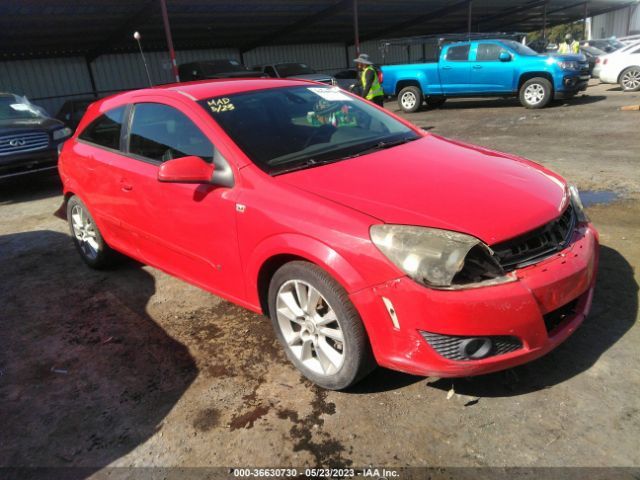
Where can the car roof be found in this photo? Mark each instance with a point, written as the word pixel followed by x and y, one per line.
pixel 203 89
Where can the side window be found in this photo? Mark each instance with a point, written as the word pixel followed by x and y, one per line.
pixel 160 132
pixel 270 71
pixel 105 130
pixel 489 52
pixel 458 54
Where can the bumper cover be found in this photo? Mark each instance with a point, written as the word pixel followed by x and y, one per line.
pixel 516 309
pixel 26 163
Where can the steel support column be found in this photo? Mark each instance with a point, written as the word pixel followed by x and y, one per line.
pixel 356 28
pixel 544 21
pixel 469 11
pixel 167 32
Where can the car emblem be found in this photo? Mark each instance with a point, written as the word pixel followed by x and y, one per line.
pixel 17 142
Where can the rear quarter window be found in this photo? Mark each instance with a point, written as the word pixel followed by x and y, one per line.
pixel 459 53
pixel 105 130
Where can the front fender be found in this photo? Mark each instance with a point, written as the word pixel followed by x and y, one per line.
pixel 305 247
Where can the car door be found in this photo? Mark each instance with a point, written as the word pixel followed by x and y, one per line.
pixel 490 74
pixel 454 69
pixel 188 230
pixel 99 146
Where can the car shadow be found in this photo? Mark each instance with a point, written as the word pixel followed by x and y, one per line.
pixel 26 188
pixel 614 311
pixel 86 375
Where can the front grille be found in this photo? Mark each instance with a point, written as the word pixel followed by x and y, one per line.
pixel 554 319
pixel 23 142
pixel 537 244
pixel 449 346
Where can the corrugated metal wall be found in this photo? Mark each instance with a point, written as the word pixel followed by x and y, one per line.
pixel 618 23
pixel 324 57
pixel 125 71
pixel 382 54
pixel 51 77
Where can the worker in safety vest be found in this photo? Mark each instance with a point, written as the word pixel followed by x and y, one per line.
pixel 569 45
pixel 371 88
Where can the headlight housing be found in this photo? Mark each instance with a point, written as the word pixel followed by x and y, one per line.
pixel 62 133
pixel 581 215
pixel 437 258
pixel 569 65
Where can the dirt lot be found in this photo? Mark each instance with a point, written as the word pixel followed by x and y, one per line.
pixel 132 367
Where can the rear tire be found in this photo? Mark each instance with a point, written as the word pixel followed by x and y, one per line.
pixel 630 79
pixel 436 102
pixel 536 93
pixel 410 99
pixel 318 326
pixel 86 237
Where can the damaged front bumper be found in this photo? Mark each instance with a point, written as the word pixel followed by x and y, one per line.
pixel 422 331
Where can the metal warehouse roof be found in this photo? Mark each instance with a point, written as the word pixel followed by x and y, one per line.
pixel 96 27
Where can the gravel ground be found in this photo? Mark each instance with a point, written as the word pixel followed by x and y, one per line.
pixel 132 367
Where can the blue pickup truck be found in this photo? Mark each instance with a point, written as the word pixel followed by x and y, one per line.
pixel 487 68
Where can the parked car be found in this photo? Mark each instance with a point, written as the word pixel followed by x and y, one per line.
pixel 347 78
pixel 607 45
pixel 591 54
pixel 72 111
pixel 29 139
pixel 623 67
pixel 365 239
pixel 487 67
pixel 296 70
pixel 212 69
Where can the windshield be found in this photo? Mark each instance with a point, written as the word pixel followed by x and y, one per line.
pixel 519 48
pixel 285 129
pixel 13 107
pixel 291 69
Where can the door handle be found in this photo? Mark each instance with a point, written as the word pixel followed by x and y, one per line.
pixel 126 187
pixel 477 67
pixel 446 67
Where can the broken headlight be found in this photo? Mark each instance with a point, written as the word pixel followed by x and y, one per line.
pixel 577 204
pixel 438 258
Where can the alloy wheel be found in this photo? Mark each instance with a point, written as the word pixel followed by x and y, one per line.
pixel 631 80
pixel 408 100
pixel 85 232
pixel 310 327
pixel 534 94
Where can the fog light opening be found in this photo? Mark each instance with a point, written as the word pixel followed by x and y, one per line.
pixel 476 348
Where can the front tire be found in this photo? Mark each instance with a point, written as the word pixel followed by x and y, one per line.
pixel 410 99
pixel 630 79
pixel 86 237
pixel 536 93
pixel 318 326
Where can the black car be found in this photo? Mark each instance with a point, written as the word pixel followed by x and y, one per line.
pixel 72 111
pixel 213 69
pixel 591 53
pixel 29 138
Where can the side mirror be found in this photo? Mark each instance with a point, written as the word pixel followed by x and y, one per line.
pixel 186 170
pixel 505 57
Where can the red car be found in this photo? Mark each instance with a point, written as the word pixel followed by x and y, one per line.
pixel 365 239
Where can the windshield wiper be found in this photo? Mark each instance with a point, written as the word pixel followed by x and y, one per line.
pixel 308 163
pixel 382 145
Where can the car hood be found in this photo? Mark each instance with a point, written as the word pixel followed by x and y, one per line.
pixel 316 77
pixel 569 57
pixel 441 183
pixel 8 126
